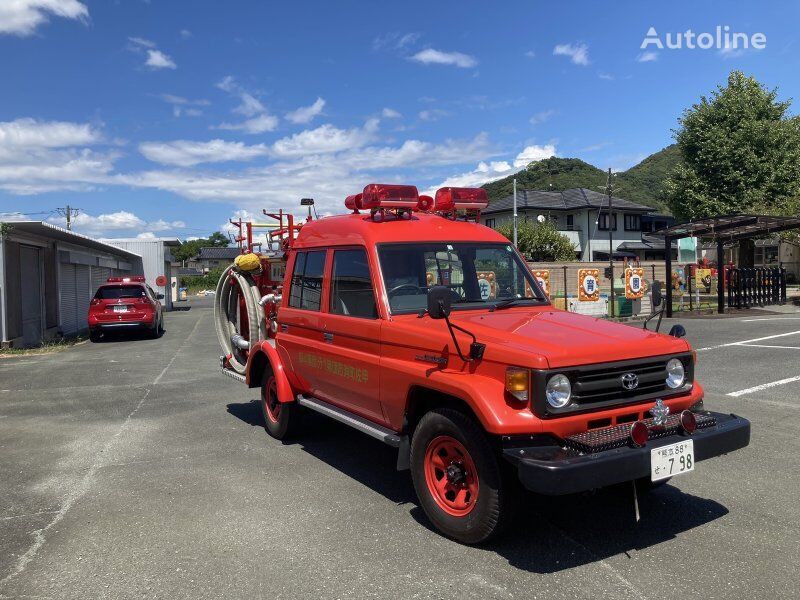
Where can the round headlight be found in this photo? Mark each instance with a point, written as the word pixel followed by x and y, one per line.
pixel 558 391
pixel 676 374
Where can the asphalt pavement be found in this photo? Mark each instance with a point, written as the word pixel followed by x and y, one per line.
pixel 133 469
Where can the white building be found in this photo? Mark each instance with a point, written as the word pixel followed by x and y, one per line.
pixel 156 260
pixel 581 215
pixel 48 276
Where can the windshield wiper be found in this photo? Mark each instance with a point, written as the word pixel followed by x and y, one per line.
pixel 506 303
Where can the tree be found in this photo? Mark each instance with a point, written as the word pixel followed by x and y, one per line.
pixel 741 153
pixel 190 249
pixel 540 241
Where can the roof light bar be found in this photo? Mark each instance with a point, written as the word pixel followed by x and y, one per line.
pixel 353 202
pixel 381 195
pixel 135 278
pixel 449 199
pixel 425 204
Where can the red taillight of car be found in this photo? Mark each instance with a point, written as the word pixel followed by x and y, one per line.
pixel 688 421
pixel 381 195
pixel 95 302
pixel 639 434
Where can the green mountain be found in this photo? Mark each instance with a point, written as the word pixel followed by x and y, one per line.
pixel 641 183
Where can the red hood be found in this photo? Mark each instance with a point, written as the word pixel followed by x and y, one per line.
pixel 526 336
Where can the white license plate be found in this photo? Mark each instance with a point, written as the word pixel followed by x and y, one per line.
pixel 671 460
pixel 121 309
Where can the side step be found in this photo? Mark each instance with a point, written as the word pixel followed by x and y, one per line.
pixel 234 375
pixel 387 436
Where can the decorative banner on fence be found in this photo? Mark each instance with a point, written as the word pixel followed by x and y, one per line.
pixel 588 288
pixel 543 277
pixel 702 280
pixel 678 282
pixel 487 284
pixel 634 283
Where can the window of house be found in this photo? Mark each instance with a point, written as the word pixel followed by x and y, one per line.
pixel 770 255
pixel 489 223
pixel 633 223
pixel 351 285
pixel 602 222
pixel 570 222
pixel 306 289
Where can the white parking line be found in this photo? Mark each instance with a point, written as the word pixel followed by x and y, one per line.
pixel 771 319
pixel 768 346
pixel 764 386
pixel 742 342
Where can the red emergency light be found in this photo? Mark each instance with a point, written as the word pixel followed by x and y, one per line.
pixel 381 195
pixel 353 202
pixel 425 204
pixel 449 199
pixel 132 278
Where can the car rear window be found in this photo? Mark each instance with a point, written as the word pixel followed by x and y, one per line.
pixel 114 292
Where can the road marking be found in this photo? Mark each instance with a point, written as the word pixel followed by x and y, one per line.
pixel 178 351
pixel 767 346
pixel 765 386
pixel 771 319
pixel 742 342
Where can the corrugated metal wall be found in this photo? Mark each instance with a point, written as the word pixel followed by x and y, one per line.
pixel 68 295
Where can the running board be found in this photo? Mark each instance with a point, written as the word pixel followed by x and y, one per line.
pixel 387 436
pixel 234 375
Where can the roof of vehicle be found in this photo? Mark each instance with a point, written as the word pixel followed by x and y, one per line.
pixel 361 229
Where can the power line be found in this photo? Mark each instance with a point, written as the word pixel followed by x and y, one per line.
pixel 68 212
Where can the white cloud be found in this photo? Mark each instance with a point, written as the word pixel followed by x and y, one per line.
pixel 259 121
pixel 259 124
pixel 250 106
pixel 534 153
pixel 483 173
pixel 98 224
pixel 162 225
pixel 390 113
pixel 542 116
pixel 156 59
pixel 306 114
pixel 649 56
pixel 186 153
pixel 577 53
pixel 30 133
pixel 433 114
pixel 325 139
pixel 395 41
pixel 606 76
pixel 146 235
pixel 184 106
pixel 185 34
pixel 22 17
pixel 530 54
pixel 429 56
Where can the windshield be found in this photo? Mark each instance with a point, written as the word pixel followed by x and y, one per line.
pixel 115 292
pixel 478 275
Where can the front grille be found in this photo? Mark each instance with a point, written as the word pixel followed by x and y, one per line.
pixel 601 385
pixel 598 440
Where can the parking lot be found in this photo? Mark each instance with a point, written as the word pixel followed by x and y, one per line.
pixel 132 468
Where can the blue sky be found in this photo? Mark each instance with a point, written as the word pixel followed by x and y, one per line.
pixel 167 118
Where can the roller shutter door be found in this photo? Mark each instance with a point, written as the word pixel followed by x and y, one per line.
pixel 99 277
pixel 68 299
pixel 83 284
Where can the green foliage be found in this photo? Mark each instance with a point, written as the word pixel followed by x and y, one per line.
pixel 540 241
pixel 190 249
pixel 203 282
pixel 741 152
pixel 5 229
pixel 642 183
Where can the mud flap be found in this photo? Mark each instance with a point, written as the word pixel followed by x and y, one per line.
pixel 404 454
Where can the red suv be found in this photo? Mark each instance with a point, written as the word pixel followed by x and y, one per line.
pixel 125 303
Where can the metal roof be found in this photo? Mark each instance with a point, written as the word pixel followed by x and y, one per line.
pixel 55 232
pixel 571 199
pixel 163 240
pixel 731 227
pixel 648 242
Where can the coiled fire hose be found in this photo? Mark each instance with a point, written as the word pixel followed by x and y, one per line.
pixel 235 345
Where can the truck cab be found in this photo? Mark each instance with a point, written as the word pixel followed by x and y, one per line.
pixel 415 324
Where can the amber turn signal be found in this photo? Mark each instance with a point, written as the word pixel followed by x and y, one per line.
pixel 518 383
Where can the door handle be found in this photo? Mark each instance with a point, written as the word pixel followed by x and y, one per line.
pixel 328 337
pixel 284 327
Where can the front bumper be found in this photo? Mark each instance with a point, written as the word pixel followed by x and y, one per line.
pixel 556 470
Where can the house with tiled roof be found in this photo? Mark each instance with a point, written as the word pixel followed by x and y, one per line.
pixel 582 215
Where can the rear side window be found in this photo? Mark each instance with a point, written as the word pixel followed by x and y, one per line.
pixel 351 285
pixel 115 292
pixel 306 289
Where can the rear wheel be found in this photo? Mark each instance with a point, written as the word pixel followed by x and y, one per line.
pixel 457 477
pixel 279 417
pixel 95 336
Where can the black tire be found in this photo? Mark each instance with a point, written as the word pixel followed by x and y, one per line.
pixel 492 510
pixel 95 336
pixel 157 331
pixel 280 418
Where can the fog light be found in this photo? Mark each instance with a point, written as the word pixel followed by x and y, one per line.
pixel 688 421
pixel 639 434
pixel 518 383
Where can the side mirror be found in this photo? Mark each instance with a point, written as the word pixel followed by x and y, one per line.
pixel 439 302
pixel 677 331
pixel 655 288
pixel 160 296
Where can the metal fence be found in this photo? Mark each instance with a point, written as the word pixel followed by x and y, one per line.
pixel 759 286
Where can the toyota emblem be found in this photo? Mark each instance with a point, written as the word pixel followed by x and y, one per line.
pixel 630 381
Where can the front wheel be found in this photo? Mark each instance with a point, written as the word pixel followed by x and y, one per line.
pixel 279 417
pixel 457 477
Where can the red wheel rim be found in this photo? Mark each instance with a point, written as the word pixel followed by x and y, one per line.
pixel 272 408
pixel 451 476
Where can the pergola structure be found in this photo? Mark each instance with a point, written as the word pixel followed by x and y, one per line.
pixel 722 229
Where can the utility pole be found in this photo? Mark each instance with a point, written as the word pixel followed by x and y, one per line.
pixel 609 192
pixel 68 212
pixel 515 212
